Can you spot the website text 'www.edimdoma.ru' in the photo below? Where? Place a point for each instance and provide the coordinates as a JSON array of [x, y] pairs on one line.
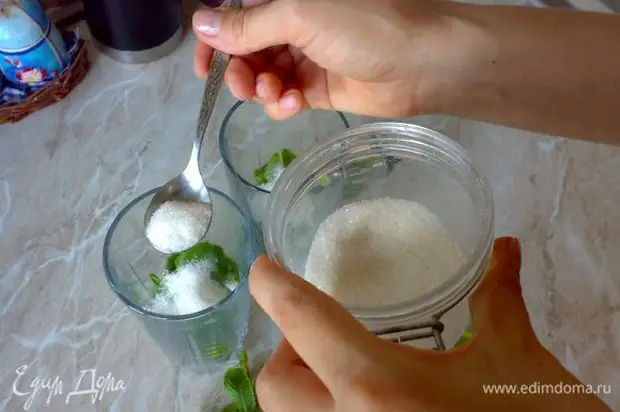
[[538, 388]]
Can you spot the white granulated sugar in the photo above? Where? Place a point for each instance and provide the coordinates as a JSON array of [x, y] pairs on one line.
[[273, 176], [379, 252], [188, 290], [178, 225]]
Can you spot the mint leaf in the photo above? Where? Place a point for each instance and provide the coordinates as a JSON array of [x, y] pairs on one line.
[[200, 251], [217, 351], [243, 362], [170, 263], [226, 271], [281, 159], [239, 388], [287, 156], [260, 175], [231, 407], [324, 181], [157, 283]]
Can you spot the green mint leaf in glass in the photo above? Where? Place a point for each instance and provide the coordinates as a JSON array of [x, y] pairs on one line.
[[157, 282], [225, 272], [271, 170], [324, 181], [217, 351], [171, 265], [198, 252], [239, 388], [287, 156]]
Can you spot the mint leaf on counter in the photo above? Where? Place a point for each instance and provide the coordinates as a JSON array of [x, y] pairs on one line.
[[239, 388], [279, 160]]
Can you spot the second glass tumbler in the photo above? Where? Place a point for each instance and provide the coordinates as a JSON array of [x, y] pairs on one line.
[[254, 147]]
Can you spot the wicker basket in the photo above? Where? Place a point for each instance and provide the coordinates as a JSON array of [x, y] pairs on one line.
[[55, 91]]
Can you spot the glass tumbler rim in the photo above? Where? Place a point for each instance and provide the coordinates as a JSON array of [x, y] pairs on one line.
[[452, 291], [224, 151], [137, 308]]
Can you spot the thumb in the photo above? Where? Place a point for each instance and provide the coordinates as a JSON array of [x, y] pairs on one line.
[[245, 30], [497, 306]]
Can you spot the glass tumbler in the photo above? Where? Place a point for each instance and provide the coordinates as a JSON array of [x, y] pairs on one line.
[[402, 161], [248, 138], [199, 341]]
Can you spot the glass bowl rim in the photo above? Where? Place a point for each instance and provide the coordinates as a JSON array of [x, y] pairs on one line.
[[455, 288], [224, 151], [139, 309]]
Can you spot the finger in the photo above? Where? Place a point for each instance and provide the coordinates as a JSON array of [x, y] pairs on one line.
[[322, 332], [240, 79], [282, 64], [202, 59], [497, 305], [290, 104], [246, 30], [286, 384], [268, 88], [256, 61], [261, 61]]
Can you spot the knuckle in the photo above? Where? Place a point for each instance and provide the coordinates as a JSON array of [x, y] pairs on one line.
[[238, 23], [297, 12]]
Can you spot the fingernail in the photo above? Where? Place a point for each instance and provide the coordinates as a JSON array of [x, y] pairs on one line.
[[288, 102], [261, 91], [207, 22]]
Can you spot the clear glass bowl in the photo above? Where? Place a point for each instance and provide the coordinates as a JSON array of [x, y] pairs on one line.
[[388, 160], [248, 138], [199, 341]]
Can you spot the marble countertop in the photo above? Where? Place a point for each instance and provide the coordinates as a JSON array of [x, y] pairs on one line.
[[67, 171]]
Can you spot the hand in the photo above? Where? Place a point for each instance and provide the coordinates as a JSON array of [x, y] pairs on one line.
[[330, 362], [366, 57]]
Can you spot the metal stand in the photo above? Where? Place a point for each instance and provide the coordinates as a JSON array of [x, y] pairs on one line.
[[415, 331]]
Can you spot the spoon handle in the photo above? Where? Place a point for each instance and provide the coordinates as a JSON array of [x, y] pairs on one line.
[[219, 63]]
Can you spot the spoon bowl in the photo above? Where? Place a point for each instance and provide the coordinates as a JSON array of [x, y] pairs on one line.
[[187, 187]]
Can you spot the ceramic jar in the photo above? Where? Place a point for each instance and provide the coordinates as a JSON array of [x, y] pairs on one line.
[[32, 49]]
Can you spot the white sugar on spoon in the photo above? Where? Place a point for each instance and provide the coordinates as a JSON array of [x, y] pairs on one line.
[[177, 225]]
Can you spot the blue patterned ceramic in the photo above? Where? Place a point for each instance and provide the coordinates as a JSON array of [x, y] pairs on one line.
[[32, 49]]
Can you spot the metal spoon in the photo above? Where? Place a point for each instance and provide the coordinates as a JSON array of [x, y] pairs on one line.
[[189, 185]]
